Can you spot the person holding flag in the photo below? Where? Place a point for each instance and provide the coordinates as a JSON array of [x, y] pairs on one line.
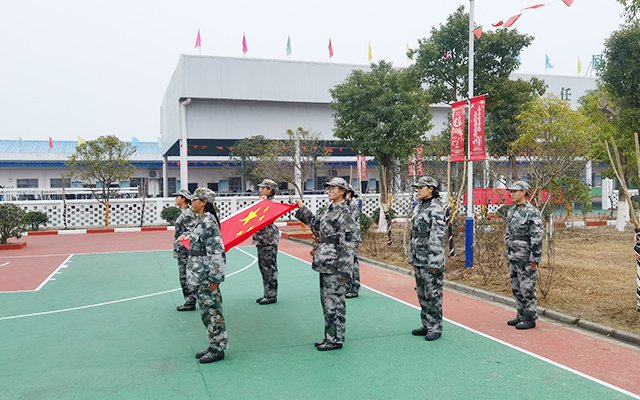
[[186, 220], [205, 271], [333, 259], [266, 242], [353, 286]]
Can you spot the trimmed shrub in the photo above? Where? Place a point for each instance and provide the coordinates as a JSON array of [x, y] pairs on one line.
[[365, 223], [12, 222], [170, 214], [35, 219]]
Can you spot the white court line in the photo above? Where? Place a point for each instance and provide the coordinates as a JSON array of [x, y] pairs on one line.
[[255, 259], [502, 342], [87, 254], [50, 277], [7, 263]]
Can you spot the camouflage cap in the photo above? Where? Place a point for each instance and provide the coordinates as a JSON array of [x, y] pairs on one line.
[[338, 182], [184, 193], [520, 185], [203, 194], [269, 183], [352, 191], [425, 181]]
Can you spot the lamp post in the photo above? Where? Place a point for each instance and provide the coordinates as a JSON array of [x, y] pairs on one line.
[[469, 228]]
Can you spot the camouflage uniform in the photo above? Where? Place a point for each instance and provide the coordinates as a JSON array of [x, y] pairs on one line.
[[183, 224], [426, 253], [524, 246], [353, 286], [206, 265], [266, 242], [333, 259]]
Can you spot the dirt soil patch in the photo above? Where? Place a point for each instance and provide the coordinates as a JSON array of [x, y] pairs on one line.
[[593, 277]]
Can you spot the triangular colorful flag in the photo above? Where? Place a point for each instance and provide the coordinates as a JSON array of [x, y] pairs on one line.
[[81, 141], [568, 2], [579, 66], [50, 143], [135, 142], [238, 227], [547, 62], [198, 41], [512, 20], [289, 45], [244, 44], [330, 49], [370, 54], [477, 32]]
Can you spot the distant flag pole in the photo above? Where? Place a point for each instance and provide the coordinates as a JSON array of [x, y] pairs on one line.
[[330, 50], [547, 63], [198, 43], [244, 44], [50, 143], [579, 66], [370, 54], [289, 46], [20, 139]]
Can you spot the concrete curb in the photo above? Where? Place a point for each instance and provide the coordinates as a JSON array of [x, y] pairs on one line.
[[92, 230], [620, 335]]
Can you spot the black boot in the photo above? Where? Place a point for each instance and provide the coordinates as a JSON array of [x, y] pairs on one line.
[[419, 331], [211, 357], [526, 325], [267, 300], [186, 307], [327, 346], [351, 295], [432, 336], [201, 353], [320, 342], [514, 322]]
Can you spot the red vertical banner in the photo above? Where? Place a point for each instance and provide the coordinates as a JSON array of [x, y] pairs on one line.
[[419, 170], [457, 130], [363, 160], [476, 115]]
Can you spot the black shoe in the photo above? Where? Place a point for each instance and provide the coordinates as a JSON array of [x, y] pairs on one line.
[[259, 299], [186, 307], [327, 346], [211, 357], [526, 325], [514, 322], [201, 353], [320, 342], [351, 295], [420, 331], [432, 336], [267, 300]]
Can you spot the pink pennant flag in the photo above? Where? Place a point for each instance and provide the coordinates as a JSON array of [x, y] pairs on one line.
[[512, 20], [198, 42], [244, 44], [330, 49], [50, 143], [185, 243], [568, 2], [534, 7], [497, 24], [477, 32]]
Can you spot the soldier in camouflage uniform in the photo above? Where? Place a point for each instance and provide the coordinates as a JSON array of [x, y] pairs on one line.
[[205, 271], [524, 249], [333, 259], [426, 254], [353, 286], [266, 242], [183, 224]]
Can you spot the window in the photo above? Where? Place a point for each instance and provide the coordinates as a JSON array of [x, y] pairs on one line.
[[320, 182], [192, 187], [173, 184], [57, 183], [235, 184], [26, 183], [213, 186], [141, 183]]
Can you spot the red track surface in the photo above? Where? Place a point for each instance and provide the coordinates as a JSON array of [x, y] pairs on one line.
[[600, 358]]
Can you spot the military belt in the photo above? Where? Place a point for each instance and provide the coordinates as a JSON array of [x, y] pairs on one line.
[[197, 253], [330, 240], [523, 238], [419, 234]]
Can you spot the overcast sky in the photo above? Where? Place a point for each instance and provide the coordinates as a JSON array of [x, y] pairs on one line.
[[85, 68]]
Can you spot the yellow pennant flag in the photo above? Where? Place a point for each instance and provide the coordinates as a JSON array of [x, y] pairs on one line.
[[579, 66], [370, 53], [81, 140]]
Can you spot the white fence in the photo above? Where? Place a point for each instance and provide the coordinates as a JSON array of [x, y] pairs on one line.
[[129, 212]]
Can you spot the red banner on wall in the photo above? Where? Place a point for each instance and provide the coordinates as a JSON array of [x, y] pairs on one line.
[[457, 130], [476, 115], [419, 170], [364, 167]]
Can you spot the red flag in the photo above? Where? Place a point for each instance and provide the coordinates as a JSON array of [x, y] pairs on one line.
[[512, 21], [568, 2], [364, 167], [419, 160], [497, 24], [198, 42], [535, 6], [476, 115], [330, 49], [457, 130], [243, 224], [50, 143], [477, 32], [244, 44]]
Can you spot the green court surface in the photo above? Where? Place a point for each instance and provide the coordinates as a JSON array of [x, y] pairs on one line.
[[141, 348]]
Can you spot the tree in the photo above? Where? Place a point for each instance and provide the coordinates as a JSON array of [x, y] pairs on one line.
[[631, 9], [442, 61], [290, 159], [12, 222], [553, 138], [104, 161], [384, 113]]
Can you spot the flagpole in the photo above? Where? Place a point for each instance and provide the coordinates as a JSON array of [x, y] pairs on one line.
[[469, 228]]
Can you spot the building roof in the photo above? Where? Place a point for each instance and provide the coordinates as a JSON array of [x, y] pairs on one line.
[[61, 147]]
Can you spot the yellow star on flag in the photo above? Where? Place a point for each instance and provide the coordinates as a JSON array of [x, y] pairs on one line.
[[265, 210], [239, 233], [261, 218], [249, 217], [250, 229]]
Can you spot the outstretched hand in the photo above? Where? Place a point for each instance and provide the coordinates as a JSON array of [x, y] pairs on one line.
[[299, 203]]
